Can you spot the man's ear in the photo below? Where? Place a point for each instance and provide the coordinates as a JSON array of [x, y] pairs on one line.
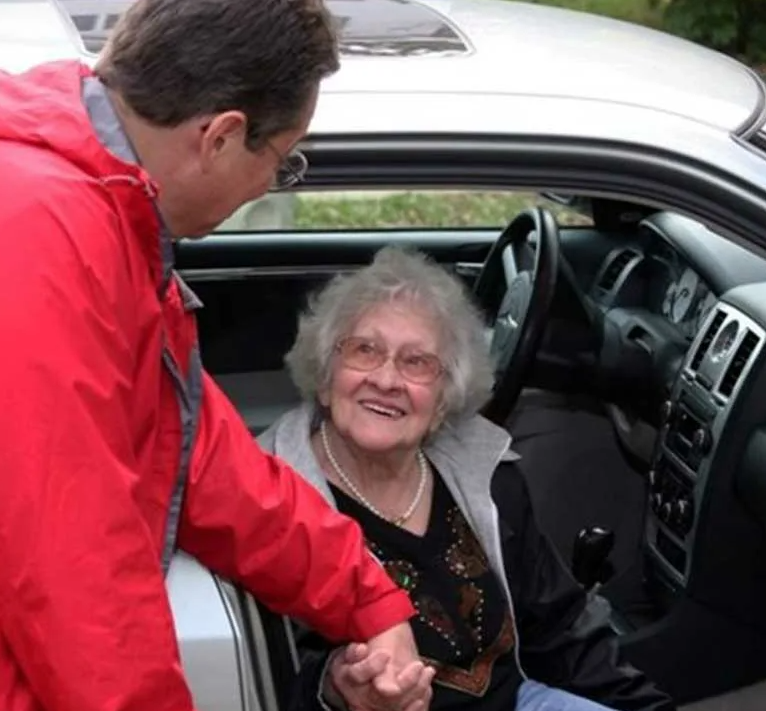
[[222, 134]]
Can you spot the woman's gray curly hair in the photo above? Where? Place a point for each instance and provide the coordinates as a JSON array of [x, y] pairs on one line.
[[397, 275]]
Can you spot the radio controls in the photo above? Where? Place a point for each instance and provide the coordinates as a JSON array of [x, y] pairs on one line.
[[702, 440], [683, 511], [670, 498], [666, 512]]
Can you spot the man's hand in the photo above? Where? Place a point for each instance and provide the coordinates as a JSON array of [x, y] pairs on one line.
[[398, 643], [368, 680]]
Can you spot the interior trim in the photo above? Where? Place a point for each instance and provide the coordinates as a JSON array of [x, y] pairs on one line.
[[749, 698], [232, 273], [248, 684]]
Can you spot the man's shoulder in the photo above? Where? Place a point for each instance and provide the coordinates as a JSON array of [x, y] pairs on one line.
[[44, 196], [24, 165], [57, 226]]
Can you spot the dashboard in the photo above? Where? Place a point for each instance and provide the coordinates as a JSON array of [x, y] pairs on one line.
[[687, 299], [682, 358], [674, 269], [655, 291]]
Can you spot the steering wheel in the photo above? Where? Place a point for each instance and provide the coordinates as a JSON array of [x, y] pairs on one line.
[[515, 290]]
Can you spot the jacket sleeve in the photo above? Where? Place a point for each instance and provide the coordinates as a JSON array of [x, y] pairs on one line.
[[83, 609], [566, 638], [252, 519]]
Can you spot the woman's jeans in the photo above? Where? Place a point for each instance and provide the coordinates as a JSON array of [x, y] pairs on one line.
[[534, 696]]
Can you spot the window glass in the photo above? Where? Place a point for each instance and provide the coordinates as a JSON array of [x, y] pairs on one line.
[[85, 23], [390, 209]]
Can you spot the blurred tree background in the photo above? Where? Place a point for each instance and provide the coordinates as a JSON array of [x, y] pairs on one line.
[[736, 27]]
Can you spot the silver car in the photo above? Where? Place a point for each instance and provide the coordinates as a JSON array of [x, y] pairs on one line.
[[617, 184]]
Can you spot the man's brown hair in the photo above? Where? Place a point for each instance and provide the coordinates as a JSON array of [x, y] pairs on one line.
[[172, 60]]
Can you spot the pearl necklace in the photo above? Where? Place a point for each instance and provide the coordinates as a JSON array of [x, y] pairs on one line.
[[399, 520]]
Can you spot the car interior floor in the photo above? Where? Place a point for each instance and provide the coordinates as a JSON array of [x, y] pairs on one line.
[[578, 477]]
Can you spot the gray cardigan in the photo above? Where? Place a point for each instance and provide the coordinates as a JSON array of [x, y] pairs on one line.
[[466, 455], [569, 641]]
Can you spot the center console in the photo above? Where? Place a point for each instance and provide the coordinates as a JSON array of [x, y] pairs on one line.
[[694, 419], [702, 588]]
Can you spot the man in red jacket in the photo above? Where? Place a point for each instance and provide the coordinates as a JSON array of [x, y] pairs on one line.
[[115, 447]]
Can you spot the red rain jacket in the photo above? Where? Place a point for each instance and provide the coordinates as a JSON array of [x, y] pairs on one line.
[[106, 418]]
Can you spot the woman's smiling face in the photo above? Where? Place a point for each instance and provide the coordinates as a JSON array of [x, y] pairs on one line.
[[381, 410]]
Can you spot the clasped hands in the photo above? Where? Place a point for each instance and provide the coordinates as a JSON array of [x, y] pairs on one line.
[[385, 674]]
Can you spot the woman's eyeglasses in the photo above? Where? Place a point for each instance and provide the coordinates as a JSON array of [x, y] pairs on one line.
[[366, 355]]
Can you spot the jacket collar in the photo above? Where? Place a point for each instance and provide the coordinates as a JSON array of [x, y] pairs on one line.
[[465, 453], [110, 132], [63, 108]]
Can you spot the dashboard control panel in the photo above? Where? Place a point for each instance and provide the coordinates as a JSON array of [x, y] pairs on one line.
[[715, 369], [671, 498]]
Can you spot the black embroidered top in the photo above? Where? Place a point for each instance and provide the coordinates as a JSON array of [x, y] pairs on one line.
[[555, 647], [463, 627]]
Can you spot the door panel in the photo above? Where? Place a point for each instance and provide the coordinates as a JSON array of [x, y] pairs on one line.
[[210, 638], [254, 286]]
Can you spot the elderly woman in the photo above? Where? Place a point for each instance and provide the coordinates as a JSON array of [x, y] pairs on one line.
[[393, 365]]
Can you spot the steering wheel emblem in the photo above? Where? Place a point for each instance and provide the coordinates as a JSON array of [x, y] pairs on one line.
[[507, 324], [509, 321], [517, 297]]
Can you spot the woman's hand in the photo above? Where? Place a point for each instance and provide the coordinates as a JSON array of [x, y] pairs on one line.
[[365, 679]]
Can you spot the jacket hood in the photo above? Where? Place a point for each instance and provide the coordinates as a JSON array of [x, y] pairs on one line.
[[465, 452], [63, 109], [44, 108]]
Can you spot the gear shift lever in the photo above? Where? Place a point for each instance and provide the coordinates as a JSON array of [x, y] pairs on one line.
[[592, 547]]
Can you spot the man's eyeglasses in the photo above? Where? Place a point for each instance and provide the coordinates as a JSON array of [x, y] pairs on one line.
[[292, 169], [366, 355]]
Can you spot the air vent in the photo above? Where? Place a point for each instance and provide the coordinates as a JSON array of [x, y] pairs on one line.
[[737, 365], [614, 269], [707, 339]]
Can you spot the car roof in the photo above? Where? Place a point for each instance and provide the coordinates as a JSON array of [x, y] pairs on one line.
[[491, 48], [414, 61], [35, 31]]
